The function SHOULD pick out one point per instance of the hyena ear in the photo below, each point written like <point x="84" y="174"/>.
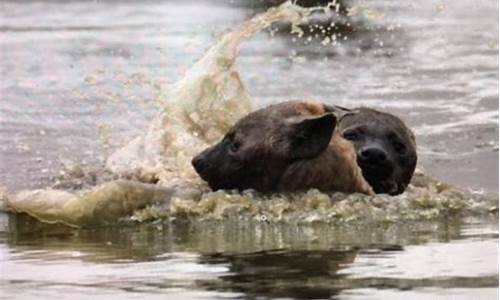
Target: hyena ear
<point x="339" y="111"/>
<point x="309" y="137"/>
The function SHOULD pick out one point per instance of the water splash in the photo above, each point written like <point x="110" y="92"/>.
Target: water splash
<point x="197" y="110"/>
<point x="425" y="199"/>
<point x="200" y="107"/>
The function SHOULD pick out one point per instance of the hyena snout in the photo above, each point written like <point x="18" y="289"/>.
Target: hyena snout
<point x="198" y="163"/>
<point x="202" y="164"/>
<point x="375" y="161"/>
<point x="372" y="155"/>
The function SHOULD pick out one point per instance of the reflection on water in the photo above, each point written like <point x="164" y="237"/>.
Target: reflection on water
<point x="242" y="260"/>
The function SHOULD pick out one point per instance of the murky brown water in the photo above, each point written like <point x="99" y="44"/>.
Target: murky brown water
<point x="79" y="78"/>
<point x="452" y="259"/>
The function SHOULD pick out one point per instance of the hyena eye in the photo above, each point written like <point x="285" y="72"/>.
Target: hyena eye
<point x="399" y="147"/>
<point x="234" y="146"/>
<point x="350" y="135"/>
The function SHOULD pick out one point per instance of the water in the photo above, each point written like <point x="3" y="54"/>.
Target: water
<point x="95" y="81"/>
<point x="443" y="260"/>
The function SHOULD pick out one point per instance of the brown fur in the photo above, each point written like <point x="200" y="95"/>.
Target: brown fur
<point x="266" y="160"/>
<point x="334" y="169"/>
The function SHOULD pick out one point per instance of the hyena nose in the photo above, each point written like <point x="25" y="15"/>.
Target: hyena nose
<point x="198" y="163"/>
<point x="373" y="155"/>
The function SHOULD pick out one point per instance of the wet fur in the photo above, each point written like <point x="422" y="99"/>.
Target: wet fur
<point x="278" y="162"/>
<point x="382" y="131"/>
<point x="334" y="170"/>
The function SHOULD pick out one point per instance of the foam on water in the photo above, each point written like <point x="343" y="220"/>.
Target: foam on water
<point x="425" y="199"/>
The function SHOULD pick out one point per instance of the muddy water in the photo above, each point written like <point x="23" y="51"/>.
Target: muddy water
<point x="79" y="79"/>
<point x="443" y="260"/>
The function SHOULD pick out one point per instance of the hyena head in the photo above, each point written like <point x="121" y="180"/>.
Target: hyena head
<point x="258" y="150"/>
<point x="385" y="147"/>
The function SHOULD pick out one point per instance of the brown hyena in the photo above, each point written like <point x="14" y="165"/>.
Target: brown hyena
<point x="289" y="146"/>
<point x="299" y="145"/>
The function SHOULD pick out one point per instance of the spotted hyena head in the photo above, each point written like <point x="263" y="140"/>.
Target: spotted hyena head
<point x="385" y="148"/>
